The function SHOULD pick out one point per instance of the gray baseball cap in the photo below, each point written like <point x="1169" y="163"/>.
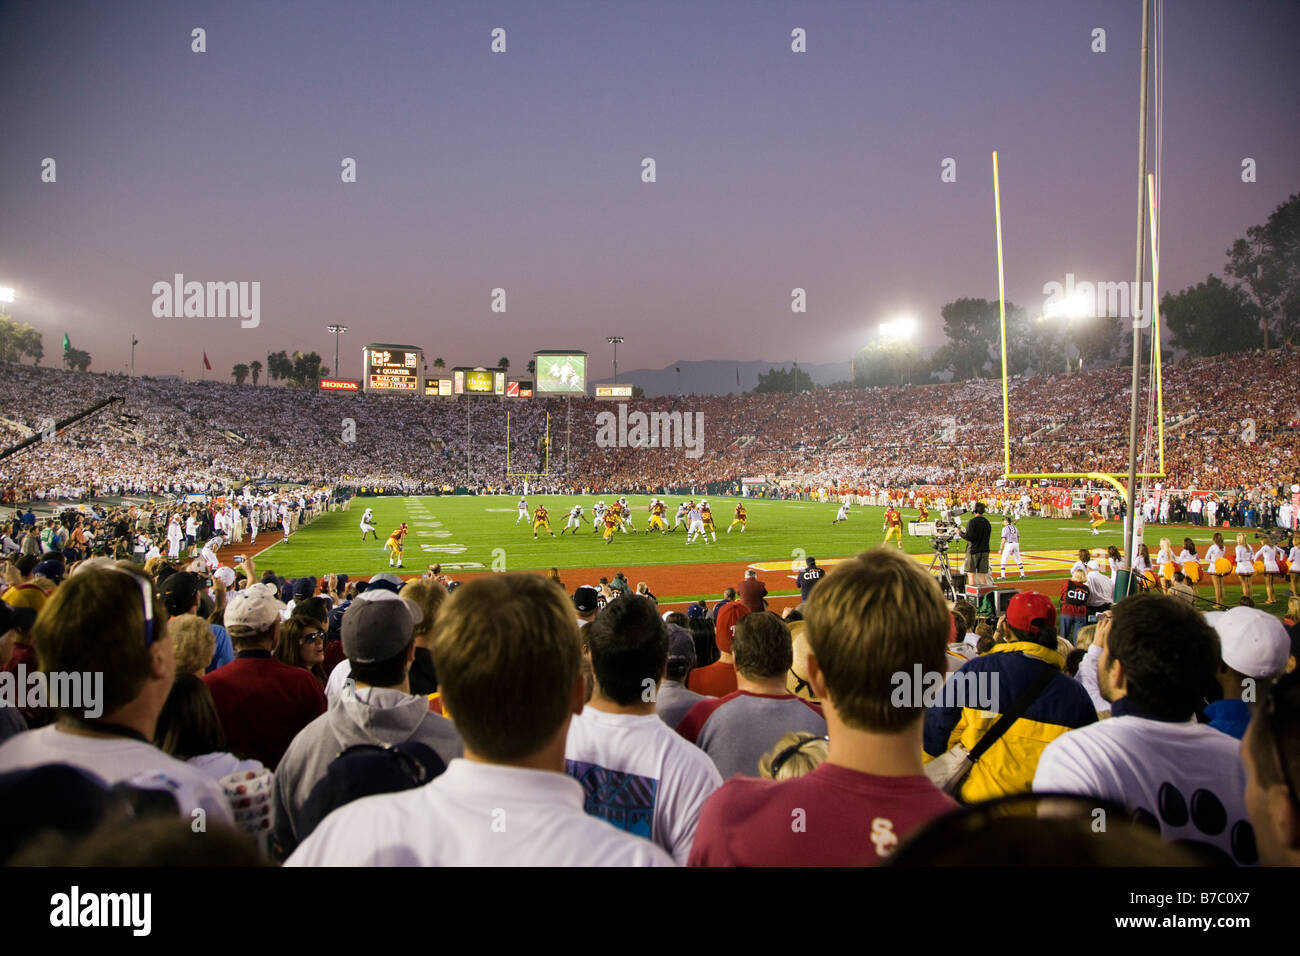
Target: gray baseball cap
<point x="377" y="629"/>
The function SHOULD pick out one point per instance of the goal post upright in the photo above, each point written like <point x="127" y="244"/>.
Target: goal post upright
<point x="546" y="442"/>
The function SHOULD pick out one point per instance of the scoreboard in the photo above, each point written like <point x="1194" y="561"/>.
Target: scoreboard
<point x="392" y="368"/>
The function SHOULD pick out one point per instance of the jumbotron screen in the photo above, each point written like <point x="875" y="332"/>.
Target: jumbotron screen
<point x="561" y="373"/>
<point x="392" y="368"/>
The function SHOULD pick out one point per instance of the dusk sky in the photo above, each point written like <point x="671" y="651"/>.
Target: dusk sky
<point x="522" y="170"/>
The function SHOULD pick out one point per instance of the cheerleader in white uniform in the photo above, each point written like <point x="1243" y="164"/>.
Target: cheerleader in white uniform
<point x="1245" y="564"/>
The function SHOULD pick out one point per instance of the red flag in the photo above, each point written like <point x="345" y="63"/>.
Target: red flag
<point x="206" y="364"/>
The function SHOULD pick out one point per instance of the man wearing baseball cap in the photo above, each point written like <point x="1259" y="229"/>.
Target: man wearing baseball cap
<point x="1254" y="648"/>
<point x="12" y="621"/>
<point x="376" y="707"/>
<point x="1025" y="665"/>
<point x="674" y="700"/>
<point x="181" y="594"/>
<point x="262" y="702"/>
<point x="719" y="678"/>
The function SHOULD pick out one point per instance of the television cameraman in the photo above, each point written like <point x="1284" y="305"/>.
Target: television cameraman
<point x="977" y="533"/>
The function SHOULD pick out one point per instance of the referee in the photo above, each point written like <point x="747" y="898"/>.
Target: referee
<point x="977" y="533"/>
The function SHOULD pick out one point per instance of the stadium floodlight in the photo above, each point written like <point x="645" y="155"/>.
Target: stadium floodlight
<point x="903" y="327"/>
<point x="1077" y="306"/>
<point x="337" y="330"/>
<point x="615" y="340"/>
<point x="6" y="294"/>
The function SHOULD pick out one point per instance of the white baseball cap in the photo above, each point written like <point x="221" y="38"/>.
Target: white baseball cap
<point x="1252" y="643"/>
<point x="256" y="607"/>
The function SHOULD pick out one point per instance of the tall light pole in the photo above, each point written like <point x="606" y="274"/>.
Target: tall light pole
<point x="337" y="330"/>
<point x="614" y="340"/>
<point x="134" y="343"/>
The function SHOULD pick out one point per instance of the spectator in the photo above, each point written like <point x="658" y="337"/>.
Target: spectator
<point x="190" y="730"/>
<point x="1026" y="658"/>
<point x="1254" y="648"/>
<point x="195" y="643"/>
<point x="674" y="700"/>
<point x="502" y="637"/>
<point x="1186" y="778"/>
<point x="1074" y="605"/>
<point x="878" y="615"/>
<point x="719" y="678"/>
<point x="795" y="755"/>
<point x="797" y="681"/>
<point x="263" y="702"/>
<point x="737" y="729"/>
<point x="637" y="774"/>
<point x="752" y="591"/>
<point x="808" y="578"/>
<point x="376" y="708"/>
<point x="429" y="595"/>
<point x="728" y="595"/>
<point x="181" y="592"/>
<point x="302" y="644"/>
<point x="1181" y="590"/>
<point x="12" y="619"/>
<point x="1270" y="753"/>
<point x="109" y="621"/>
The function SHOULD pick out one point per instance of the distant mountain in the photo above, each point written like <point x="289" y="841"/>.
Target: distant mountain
<point x="716" y="377"/>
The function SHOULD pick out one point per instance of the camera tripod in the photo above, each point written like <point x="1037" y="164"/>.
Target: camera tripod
<point x="941" y="567"/>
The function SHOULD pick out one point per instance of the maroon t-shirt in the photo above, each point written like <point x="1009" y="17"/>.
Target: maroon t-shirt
<point x="716" y="680"/>
<point x="263" y="703"/>
<point x="833" y="816"/>
<point x="751" y="592"/>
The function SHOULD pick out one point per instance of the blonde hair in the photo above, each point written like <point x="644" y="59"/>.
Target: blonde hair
<point x="429" y="595"/>
<point x="872" y="617"/>
<point x="194" y="642"/>
<point x="1241" y="537"/>
<point x="1084" y="637"/>
<point x="800" y="753"/>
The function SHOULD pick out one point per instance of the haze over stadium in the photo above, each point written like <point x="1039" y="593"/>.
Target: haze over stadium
<point x="275" y="279"/>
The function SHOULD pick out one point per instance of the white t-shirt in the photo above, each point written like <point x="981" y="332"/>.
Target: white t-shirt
<point x="475" y="814"/>
<point x="1102" y="587"/>
<point x="641" y="776"/>
<point x="340" y="677"/>
<point x="1187" y="777"/>
<point x="117" y="760"/>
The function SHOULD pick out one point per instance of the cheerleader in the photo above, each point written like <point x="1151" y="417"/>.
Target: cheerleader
<point x="1165" y="561"/>
<point x="1190" y="563"/>
<point x="1293" y="560"/>
<point x="1217" y="565"/>
<point x="1269" y="556"/>
<point x="1245" y="563"/>
<point x="1142" y="567"/>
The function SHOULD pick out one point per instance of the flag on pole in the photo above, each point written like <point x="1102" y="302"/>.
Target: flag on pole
<point x="67" y="342"/>
<point x="206" y="364"/>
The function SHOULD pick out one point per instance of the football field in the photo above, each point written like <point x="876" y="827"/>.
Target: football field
<point x="468" y="534"/>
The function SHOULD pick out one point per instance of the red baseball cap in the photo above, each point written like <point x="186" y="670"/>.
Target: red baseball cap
<point x="1029" y="609"/>
<point x="728" y="615"/>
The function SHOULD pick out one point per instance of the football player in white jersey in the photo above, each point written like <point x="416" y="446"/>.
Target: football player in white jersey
<point x="843" y="514"/>
<point x="575" y="520"/>
<point x="683" y="510"/>
<point x="523" y="512"/>
<point x="598" y="516"/>
<point x="1010" y="545"/>
<point x="368" y="524"/>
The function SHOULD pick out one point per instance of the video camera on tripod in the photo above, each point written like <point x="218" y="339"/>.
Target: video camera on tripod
<point x="941" y="532"/>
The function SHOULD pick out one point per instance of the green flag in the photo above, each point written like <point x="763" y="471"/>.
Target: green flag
<point x="67" y="342"/>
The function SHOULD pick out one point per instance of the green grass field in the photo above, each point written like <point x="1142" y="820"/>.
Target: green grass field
<point x="478" y="533"/>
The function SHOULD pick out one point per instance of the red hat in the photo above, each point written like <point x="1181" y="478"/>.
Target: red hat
<point x="725" y="628"/>
<point x="1029" y="609"/>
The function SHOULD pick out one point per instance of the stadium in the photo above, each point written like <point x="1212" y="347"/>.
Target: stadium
<point x="937" y="597"/>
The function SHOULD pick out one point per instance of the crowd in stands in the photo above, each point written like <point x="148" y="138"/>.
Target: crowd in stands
<point x="325" y="721"/>
<point x="1232" y="425"/>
